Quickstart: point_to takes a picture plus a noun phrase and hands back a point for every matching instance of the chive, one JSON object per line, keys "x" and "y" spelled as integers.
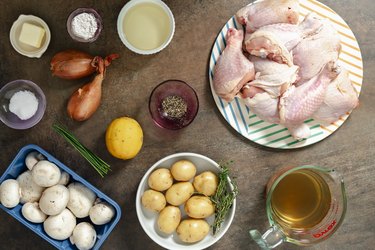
{"x": 224, "y": 197}
{"x": 97, "y": 163}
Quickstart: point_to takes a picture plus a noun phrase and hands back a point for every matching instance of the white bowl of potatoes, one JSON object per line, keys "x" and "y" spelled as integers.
{"x": 176, "y": 201}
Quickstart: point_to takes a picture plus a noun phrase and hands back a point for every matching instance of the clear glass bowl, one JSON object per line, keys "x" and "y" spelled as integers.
{"x": 6, "y": 93}
{"x": 80, "y": 11}
{"x": 174, "y": 88}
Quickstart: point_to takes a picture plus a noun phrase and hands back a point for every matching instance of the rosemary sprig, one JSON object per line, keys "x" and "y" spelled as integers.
{"x": 224, "y": 197}
{"x": 99, "y": 165}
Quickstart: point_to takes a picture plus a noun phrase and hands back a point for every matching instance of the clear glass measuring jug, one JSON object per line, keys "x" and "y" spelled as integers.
{"x": 305, "y": 205}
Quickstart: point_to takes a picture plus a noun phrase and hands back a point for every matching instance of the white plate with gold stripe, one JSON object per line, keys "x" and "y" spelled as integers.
{"x": 240, "y": 117}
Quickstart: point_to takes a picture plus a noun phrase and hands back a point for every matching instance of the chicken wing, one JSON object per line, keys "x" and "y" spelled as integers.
{"x": 299, "y": 103}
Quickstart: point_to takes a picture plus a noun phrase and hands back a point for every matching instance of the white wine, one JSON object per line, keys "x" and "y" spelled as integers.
{"x": 301, "y": 200}
{"x": 146, "y": 26}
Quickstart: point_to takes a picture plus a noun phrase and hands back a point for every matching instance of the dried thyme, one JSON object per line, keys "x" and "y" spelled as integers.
{"x": 174, "y": 107}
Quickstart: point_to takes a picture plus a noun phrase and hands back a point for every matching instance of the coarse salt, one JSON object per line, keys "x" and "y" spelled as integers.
{"x": 24, "y": 104}
{"x": 84, "y": 25}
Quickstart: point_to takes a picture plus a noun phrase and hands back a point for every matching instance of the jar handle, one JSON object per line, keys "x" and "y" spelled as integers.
{"x": 270, "y": 239}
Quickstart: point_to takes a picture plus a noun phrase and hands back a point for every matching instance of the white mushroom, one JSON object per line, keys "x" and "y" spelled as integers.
{"x": 61, "y": 226}
{"x": 64, "y": 179}
{"x": 32, "y": 158}
{"x": 46, "y": 174}
{"x": 81, "y": 199}
{"x": 84, "y": 236}
{"x": 101, "y": 213}
{"x": 32, "y": 212}
{"x": 10, "y": 193}
{"x": 54, "y": 200}
{"x": 30, "y": 191}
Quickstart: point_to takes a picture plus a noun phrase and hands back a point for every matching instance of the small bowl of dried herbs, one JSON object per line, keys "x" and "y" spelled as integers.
{"x": 173, "y": 104}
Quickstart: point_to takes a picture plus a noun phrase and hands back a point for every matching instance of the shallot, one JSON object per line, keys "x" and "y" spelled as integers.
{"x": 85, "y": 101}
{"x": 75, "y": 64}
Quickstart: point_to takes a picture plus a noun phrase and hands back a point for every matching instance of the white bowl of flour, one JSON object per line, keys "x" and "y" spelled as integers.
{"x": 84, "y": 25}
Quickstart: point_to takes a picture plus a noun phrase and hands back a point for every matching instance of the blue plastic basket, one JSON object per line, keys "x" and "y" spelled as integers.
{"x": 18, "y": 166}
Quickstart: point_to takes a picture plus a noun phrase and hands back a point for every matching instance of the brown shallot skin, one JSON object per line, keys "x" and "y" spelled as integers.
{"x": 74, "y": 64}
{"x": 85, "y": 101}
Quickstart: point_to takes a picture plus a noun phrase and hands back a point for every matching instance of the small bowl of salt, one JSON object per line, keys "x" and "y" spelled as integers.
{"x": 22, "y": 104}
{"x": 84, "y": 25}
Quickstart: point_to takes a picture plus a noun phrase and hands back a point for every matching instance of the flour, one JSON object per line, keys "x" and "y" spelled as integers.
{"x": 24, "y": 104}
{"x": 84, "y": 25}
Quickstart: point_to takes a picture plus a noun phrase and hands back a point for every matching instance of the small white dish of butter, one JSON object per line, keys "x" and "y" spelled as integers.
{"x": 30, "y": 36}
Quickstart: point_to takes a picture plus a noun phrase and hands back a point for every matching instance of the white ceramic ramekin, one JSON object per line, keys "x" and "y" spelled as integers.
{"x": 122, "y": 36}
{"x": 25, "y": 49}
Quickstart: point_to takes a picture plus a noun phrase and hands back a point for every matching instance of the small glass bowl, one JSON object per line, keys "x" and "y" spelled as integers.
{"x": 173, "y": 88}
{"x": 80, "y": 11}
{"x": 6, "y": 93}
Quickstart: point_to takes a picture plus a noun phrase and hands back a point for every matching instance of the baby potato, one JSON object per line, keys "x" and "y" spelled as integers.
{"x": 206, "y": 183}
{"x": 160, "y": 180}
{"x": 153, "y": 200}
{"x": 179, "y": 193}
{"x": 199, "y": 207}
{"x": 169, "y": 218}
{"x": 183, "y": 170}
{"x": 192, "y": 230}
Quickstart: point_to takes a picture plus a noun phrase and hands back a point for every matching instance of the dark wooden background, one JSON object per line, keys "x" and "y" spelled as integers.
{"x": 126, "y": 89}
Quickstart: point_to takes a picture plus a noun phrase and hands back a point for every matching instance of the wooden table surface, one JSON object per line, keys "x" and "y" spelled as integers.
{"x": 128, "y": 84}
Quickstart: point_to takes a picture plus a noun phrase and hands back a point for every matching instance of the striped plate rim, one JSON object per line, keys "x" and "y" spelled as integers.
{"x": 240, "y": 117}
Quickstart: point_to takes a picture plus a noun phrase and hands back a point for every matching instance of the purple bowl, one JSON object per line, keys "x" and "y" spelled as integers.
{"x": 98, "y": 21}
{"x": 173, "y": 88}
{"x": 6, "y": 93}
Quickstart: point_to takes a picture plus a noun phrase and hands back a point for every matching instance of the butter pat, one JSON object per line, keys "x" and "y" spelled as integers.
{"x": 32, "y": 35}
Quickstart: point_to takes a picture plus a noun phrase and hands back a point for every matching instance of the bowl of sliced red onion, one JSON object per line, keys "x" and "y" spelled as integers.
{"x": 22, "y": 104}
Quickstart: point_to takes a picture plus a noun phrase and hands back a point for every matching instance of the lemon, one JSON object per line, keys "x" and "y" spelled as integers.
{"x": 124, "y": 138}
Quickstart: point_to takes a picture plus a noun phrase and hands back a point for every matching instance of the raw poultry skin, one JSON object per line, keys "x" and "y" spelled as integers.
{"x": 233, "y": 70}
{"x": 315, "y": 51}
{"x": 275, "y": 41}
{"x": 299, "y": 103}
{"x": 261, "y": 103}
{"x": 339, "y": 99}
{"x": 261, "y": 95}
{"x": 296, "y": 71}
{"x": 273, "y": 77}
{"x": 267, "y": 12}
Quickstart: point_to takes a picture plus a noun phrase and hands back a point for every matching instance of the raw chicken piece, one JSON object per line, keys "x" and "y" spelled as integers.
{"x": 340, "y": 98}
{"x": 273, "y": 77}
{"x": 267, "y": 12}
{"x": 299, "y": 103}
{"x": 261, "y": 103}
{"x": 312, "y": 53}
{"x": 233, "y": 70}
{"x": 275, "y": 41}
{"x": 300, "y": 131}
